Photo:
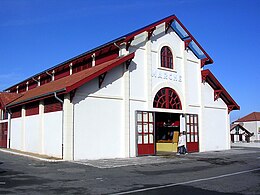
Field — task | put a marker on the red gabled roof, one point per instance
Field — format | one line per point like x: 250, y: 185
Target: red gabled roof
x: 6, y: 98
x: 127, y: 39
x: 219, y: 90
x: 71, y: 82
x: 254, y: 116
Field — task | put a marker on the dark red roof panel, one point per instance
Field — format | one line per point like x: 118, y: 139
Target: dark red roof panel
x: 216, y: 85
x: 71, y: 82
x: 254, y: 116
x: 6, y: 98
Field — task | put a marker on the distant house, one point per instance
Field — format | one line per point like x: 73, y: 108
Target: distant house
x: 251, y: 122
x: 239, y: 134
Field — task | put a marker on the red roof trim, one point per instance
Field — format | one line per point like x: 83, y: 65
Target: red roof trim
x: 168, y: 20
x: 108, y: 46
x: 210, y: 61
x: 216, y: 85
x: 69, y: 83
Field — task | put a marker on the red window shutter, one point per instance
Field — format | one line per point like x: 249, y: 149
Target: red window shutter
x: 32, y: 109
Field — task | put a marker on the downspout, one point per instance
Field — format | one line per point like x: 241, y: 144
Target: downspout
x: 9, y: 127
x: 62, y: 129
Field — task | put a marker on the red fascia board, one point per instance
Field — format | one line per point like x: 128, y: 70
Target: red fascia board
x: 108, y: 46
x: 100, y: 72
x: 213, y: 80
x: 166, y: 20
x: 37, y: 98
x: 149, y: 27
x: 206, y: 54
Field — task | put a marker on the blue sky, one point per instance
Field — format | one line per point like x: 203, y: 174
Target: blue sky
x: 38, y: 34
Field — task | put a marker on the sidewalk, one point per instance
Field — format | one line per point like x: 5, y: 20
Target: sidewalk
x: 245, y: 144
x: 31, y: 155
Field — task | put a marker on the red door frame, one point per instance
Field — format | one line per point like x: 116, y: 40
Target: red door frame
x: 192, y: 132
x: 145, y: 133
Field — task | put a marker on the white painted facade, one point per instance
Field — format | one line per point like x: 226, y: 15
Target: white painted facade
x: 41, y: 133
x: 99, y: 114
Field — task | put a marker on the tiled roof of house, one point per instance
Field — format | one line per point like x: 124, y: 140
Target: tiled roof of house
x: 254, y: 116
x: 71, y: 82
x: 6, y: 98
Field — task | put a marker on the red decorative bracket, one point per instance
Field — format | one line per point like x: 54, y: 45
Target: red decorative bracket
x: 168, y: 25
x: 187, y: 42
x: 101, y: 78
x: 230, y: 108
x: 204, y: 78
x: 203, y: 61
x: 217, y: 94
x: 150, y: 32
x: 128, y: 43
x: 127, y: 63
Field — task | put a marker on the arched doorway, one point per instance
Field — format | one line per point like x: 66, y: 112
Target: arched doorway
x: 167, y: 125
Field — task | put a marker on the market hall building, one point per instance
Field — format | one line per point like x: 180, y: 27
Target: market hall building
x: 129, y: 97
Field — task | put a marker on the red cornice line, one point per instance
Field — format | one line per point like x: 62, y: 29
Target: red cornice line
x: 100, y: 72
x: 219, y: 90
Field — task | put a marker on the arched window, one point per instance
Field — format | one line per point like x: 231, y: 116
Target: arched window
x: 167, y: 98
x: 166, y: 58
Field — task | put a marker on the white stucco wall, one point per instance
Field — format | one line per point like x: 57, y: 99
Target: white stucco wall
x: 193, y: 81
x: 32, y: 134
x: 258, y: 130
x: 98, y: 118
x: 215, y: 124
x: 98, y: 133
x: 16, y: 134
x: 52, y: 136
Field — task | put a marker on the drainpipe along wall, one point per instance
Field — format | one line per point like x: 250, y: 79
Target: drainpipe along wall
x: 62, y: 128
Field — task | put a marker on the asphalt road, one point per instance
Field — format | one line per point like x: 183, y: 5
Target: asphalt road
x: 235, y: 171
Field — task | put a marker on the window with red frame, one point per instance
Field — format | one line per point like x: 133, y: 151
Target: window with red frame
x: 167, y: 98
x: 166, y: 58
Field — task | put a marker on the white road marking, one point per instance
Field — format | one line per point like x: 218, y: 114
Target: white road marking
x: 2, y: 183
x: 188, y: 182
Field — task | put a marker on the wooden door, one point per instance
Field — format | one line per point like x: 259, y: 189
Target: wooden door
x: 145, y: 133
x: 192, y: 132
x: 3, y: 135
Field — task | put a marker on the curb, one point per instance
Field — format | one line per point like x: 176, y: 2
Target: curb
x: 31, y: 156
